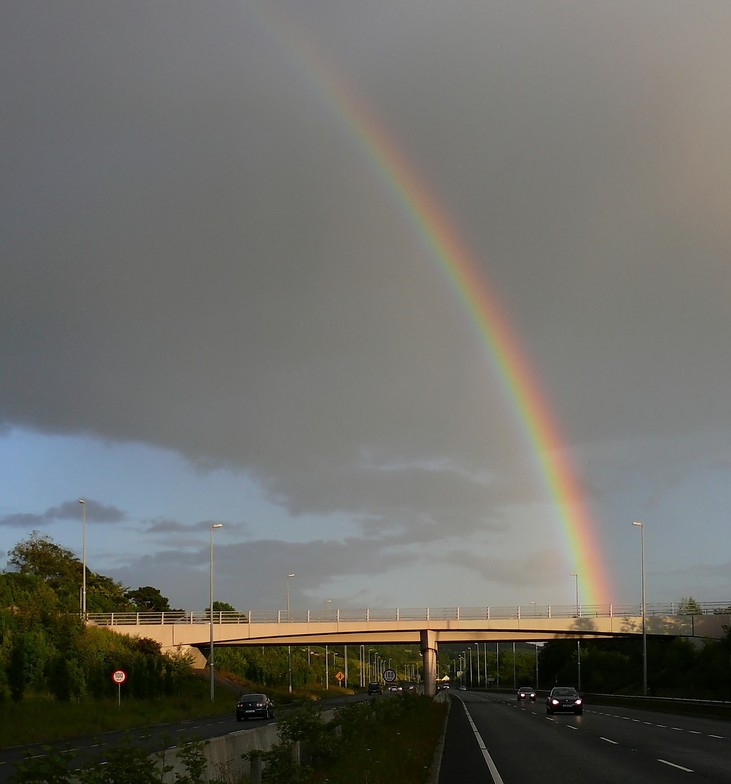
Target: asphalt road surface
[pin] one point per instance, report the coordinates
(495, 738)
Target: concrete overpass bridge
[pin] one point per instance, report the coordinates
(427, 627)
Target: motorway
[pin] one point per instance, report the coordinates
(494, 738)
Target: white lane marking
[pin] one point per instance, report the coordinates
(695, 732)
(673, 765)
(677, 729)
(720, 737)
(571, 727)
(496, 777)
(609, 740)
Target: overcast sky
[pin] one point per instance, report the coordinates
(215, 307)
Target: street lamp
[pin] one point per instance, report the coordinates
(289, 647)
(575, 575)
(289, 577)
(641, 526)
(477, 645)
(210, 618)
(83, 559)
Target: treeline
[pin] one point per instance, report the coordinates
(676, 666)
(46, 649)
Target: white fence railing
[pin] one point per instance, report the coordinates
(409, 614)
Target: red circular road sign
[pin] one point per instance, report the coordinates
(119, 676)
(389, 676)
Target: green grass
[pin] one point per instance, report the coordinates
(43, 719)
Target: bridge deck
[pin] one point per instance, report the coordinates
(458, 625)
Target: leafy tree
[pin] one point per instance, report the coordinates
(149, 599)
(689, 606)
(58, 567)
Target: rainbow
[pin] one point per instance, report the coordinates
(469, 283)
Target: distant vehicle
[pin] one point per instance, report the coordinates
(254, 706)
(374, 687)
(526, 693)
(565, 699)
(463, 687)
(395, 689)
(442, 686)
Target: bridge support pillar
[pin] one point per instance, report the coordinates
(429, 655)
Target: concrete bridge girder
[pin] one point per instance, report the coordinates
(427, 634)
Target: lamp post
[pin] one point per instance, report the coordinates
(289, 577)
(83, 558)
(641, 526)
(210, 617)
(578, 642)
(289, 647)
(477, 645)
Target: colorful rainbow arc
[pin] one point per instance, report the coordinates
(470, 284)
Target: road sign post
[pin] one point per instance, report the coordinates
(119, 677)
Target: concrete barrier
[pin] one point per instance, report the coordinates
(223, 755)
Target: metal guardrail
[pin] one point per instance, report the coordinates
(340, 615)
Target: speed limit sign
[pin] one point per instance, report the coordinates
(119, 676)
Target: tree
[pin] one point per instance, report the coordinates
(689, 606)
(148, 599)
(40, 555)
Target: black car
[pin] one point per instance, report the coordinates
(254, 706)
(526, 693)
(374, 687)
(566, 699)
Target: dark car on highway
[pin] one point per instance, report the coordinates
(564, 699)
(374, 687)
(526, 693)
(254, 706)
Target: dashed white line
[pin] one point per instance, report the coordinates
(673, 765)
(609, 740)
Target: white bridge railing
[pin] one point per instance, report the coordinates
(515, 612)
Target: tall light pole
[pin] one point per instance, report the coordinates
(210, 610)
(641, 526)
(575, 575)
(83, 558)
(289, 647)
(477, 645)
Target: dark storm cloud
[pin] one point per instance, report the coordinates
(198, 255)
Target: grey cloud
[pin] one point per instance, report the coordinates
(200, 255)
(69, 510)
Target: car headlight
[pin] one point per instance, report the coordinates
(554, 702)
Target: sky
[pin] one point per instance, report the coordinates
(426, 303)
